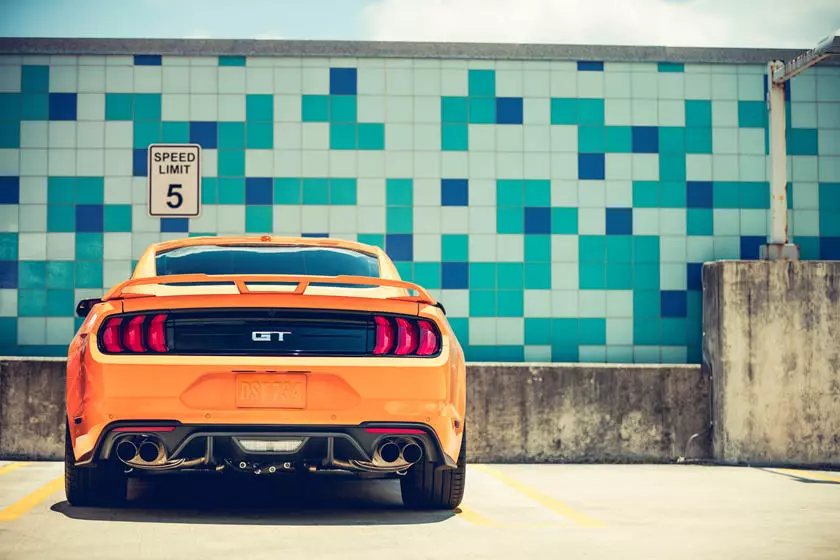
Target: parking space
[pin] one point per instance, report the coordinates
(510, 511)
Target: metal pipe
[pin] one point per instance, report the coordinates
(389, 452)
(412, 452)
(126, 450)
(778, 158)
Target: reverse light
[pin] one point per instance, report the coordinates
(270, 445)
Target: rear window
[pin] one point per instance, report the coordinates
(216, 259)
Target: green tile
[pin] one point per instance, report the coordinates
(511, 276)
(671, 140)
(209, 190)
(564, 111)
(645, 248)
(60, 303)
(258, 219)
(343, 136)
(564, 220)
(454, 137)
(259, 108)
(259, 135)
(482, 110)
(89, 274)
(590, 111)
(287, 191)
(726, 194)
(752, 114)
(511, 303)
(537, 192)
(619, 276)
(671, 167)
(645, 194)
(592, 276)
(482, 276)
(316, 191)
(700, 221)
(61, 190)
(698, 113)
(146, 133)
(371, 136)
(618, 139)
(232, 135)
(510, 192)
(509, 220)
(119, 106)
(454, 247)
(32, 303)
(538, 247)
(646, 276)
(343, 109)
(428, 275)
(343, 191)
(117, 217)
(89, 246)
(8, 246)
(61, 218)
(537, 331)
(231, 191)
(231, 163)
(374, 239)
(592, 248)
(672, 194)
(619, 248)
(591, 139)
(315, 108)
(147, 107)
(482, 303)
(399, 219)
(399, 192)
(177, 132)
(537, 275)
(482, 83)
(454, 110)
(232, 61)
(698, 140)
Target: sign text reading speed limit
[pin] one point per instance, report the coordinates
(175, 180)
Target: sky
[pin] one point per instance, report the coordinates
(700, 23)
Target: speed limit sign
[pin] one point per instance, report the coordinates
(175, 180)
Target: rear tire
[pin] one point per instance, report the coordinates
(99, 485)
(427, 487)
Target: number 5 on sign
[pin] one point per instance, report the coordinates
(175, 180)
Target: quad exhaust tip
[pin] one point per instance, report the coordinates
(127, 451)
(149, 451)
(389, 452)
(412, 452)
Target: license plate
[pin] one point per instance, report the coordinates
(271, 390)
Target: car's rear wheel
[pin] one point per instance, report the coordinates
(99, 485)
(427, 487)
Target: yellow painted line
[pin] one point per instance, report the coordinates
(809, 474)
(475, 518)
(553, 504)
(11, 467)
(28, 502)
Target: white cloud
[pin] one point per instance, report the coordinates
(701, 23)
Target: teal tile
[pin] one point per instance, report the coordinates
(60, 303)
(482, 303)
(61, 190)
(672, 194)
(32, 303)
(343, 109)
(591, 139)
(399, 192)
(511, 276)
(509, 220)
(564, 220)
(592, 331)
(231, 135)
(343, 136)
(828, 196)
(399, 219)
(8, 333)
(119, 106)
(564, 111)
(809, 247)
(258, 219)
(179, 132)
(537, 192)
(671, 167)
(698, 113)
(90, 190)
(482, 110)
(259, 108)
(619, 276)
(752, 114)
(538, 247)
(371, 136)
(590, 111)
(482, 276)
(287, 191)
(146, 133)
(618, 139)
(510, 192)
(373, 239)
(428, 275)
(59, 274)
(9, 135)
(674, 331)
(619, 248)
(565, 353)
(511, 303)
(802, 142)
(754, 195)
(646, 276)
(454, 110)
(461, 326)
(454, 247)
(671, 67)
(9, 246)
(592, 248)
(61, 218)
(537, 330)
(698, 140)
(315, 191)
(89, 274)
(32, 274)
(700, 221)
(231, 190)
(209, 190)
(592, 276)
(315, 108)
(646, 248)
(671, 140)
(645, 194)
(89, 246)
(35, 78)
(117, 217)
(35, 107)
(646, 303)
(259, 135)
(147, 107)
(726, 194)
(482, 83)
(231, 163)
(10, 107)
(343, 192)
(537, 276)
(646, 330)
(565, 332)
(231, 60)
(454, 137)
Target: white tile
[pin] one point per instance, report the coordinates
(33, 190)
(90, 134)
(61, 246)
(204, 79)
(62, 162)
(259, 80)
(175, 79)
(287, 108)
(148, 79)
(90, 106)
(204, 107)
(62, 134)
(34, 134)
(232, 79)
(231, 108)
(90, 162)
(175, 107)
(119, 79)
(427, 164)
(10, 78)
(64, 79)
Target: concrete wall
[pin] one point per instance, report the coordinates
(516, 413)
(772, 348)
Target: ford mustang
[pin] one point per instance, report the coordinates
(265, 356)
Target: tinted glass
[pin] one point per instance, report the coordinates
(214, 259)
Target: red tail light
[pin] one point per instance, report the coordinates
(404, 336)
(133, 334)
(157, 334)
(111, 336)
(428, 344)
(137, 334)
(384, 336)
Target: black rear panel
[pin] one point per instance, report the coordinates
(270, 332)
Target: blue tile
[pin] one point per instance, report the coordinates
(454, 192)
(694, 276)
(619, 221)
(455, 275)
(258, 190)
(140, 162)
(62, 106)
(508, 110)
(90, 218)
(699, 194)
(590, 66)
(205, 134)
(343, 81)
(537, 220)
(9, 190)
(400, 246)
(674, 303)
(591, 166)
(8, 274)
(750, 246)
(830, 248)
(147, 60)
(645, 139)
(174, 225)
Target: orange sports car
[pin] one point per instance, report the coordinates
(265, 356)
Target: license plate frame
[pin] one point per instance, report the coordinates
(271, 390)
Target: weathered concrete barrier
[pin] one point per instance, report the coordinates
(772, 348)
(516, 412)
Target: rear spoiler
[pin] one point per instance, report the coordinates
(241, 282)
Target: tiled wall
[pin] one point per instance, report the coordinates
(560, 210)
